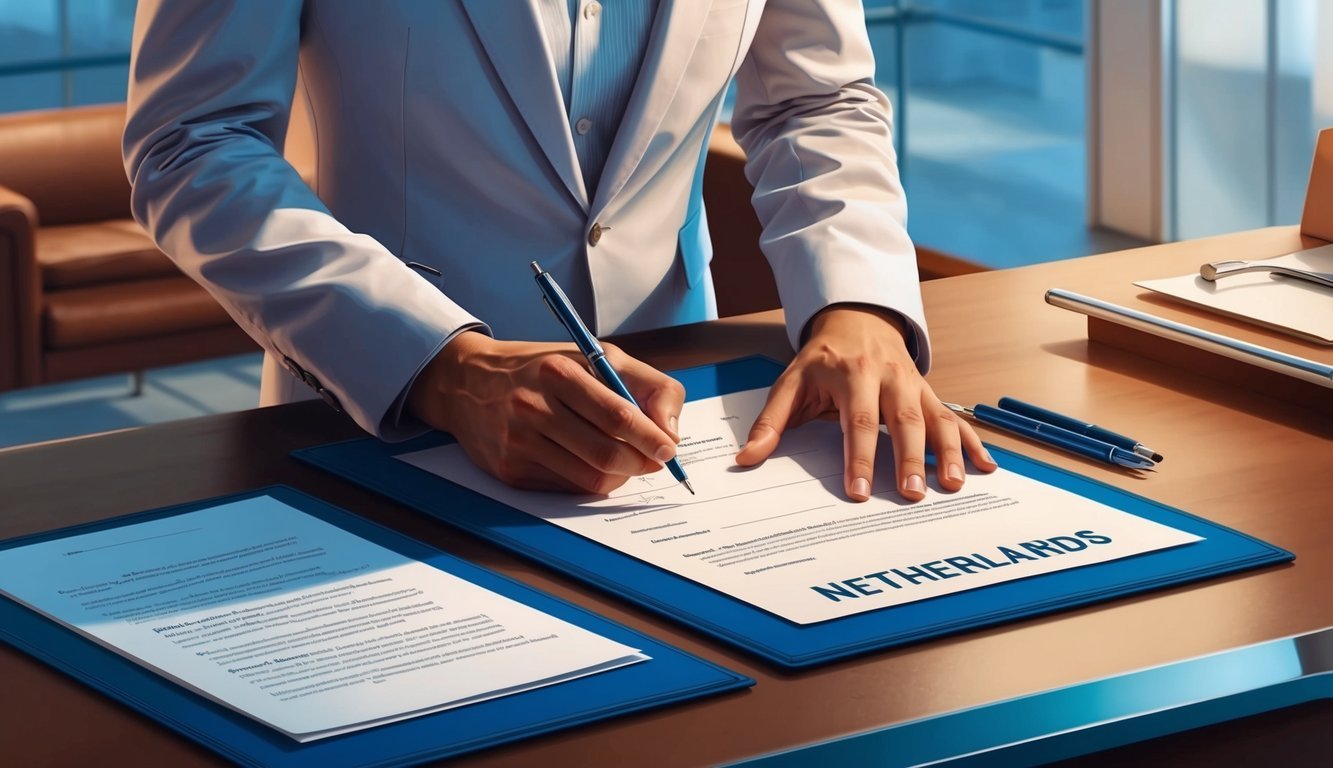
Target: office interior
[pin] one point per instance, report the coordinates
(996, 129)
(1028, 132)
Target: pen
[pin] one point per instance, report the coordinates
(1053, 435)
(1077, 425)
(587, 343)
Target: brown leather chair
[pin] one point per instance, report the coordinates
(83, 290)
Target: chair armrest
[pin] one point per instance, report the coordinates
(20, 292)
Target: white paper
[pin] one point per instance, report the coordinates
(1298, 307)
(783, 537)
(295, 622)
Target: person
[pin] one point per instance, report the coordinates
(459, 141)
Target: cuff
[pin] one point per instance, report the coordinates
(398, 424)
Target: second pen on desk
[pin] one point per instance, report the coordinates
(590, 348)
(1072, 424)
(1053, 435)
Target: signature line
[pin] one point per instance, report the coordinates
(131, 541)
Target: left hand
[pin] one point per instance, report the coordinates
(856, 365)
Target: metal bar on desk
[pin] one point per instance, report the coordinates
(1271, 359)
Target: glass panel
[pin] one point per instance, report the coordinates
(995, 145)
(1221, 166)
(29, 29)
(100, 26)
(1252, 90)
(21, 92)
(100, 85)
(1057, 17)
(1304, 99)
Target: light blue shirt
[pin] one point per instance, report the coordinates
(598, 47)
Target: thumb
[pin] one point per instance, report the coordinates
(767, 430)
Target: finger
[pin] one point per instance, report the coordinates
(943, 428)
(767, 429)
(660, 396)
(901, 403)
(593, 446)
(531, 476)
(976, 450)
(578, 475)
(859, 416)
(610, 413)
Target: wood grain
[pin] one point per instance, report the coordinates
(1233, 456)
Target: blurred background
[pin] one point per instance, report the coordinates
(1027, 131)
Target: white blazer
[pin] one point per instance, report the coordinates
(442, 139)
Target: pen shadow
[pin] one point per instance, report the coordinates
(1191, 384)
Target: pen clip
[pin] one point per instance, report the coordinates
(551, 307)
(560, 306)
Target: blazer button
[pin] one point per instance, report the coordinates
(595, 234)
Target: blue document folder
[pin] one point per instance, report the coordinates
(669, 676)
(371, 463)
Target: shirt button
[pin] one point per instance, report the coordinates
(591, 10)
(583, 126)
(595, 235)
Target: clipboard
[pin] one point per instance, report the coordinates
(668, 677)
(371, 463)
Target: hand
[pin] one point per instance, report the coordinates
(532, 415)
(856, 365)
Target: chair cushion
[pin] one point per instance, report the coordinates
(78, 255)
(128, 311)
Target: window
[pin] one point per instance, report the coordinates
(989, 100)
(59, 53)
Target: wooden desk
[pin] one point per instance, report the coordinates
(1236, 457)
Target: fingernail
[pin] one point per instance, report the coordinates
(915, 484)
(985, 454)
(861, 488)
(673, 424)
(664, 453)
(954, 472)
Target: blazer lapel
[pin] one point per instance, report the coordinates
(676, 31)
(517, 49)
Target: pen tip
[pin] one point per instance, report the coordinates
(1157, 457)
(688, 487)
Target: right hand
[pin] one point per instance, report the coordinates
(532, 415)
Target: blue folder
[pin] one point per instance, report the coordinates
(670, 676)
(371, 463)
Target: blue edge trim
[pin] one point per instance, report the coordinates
(1080, 719)
(370, 463)
(671, 676)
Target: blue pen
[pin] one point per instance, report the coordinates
(559, 305)
(1078, 425)
(1053, 435)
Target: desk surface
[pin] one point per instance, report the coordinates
(1239, 458)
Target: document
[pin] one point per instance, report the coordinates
(296, 622)
(1297, 307)
(783, 537)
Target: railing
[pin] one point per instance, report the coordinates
(900, 15)
(64, 64)
(903, 14)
